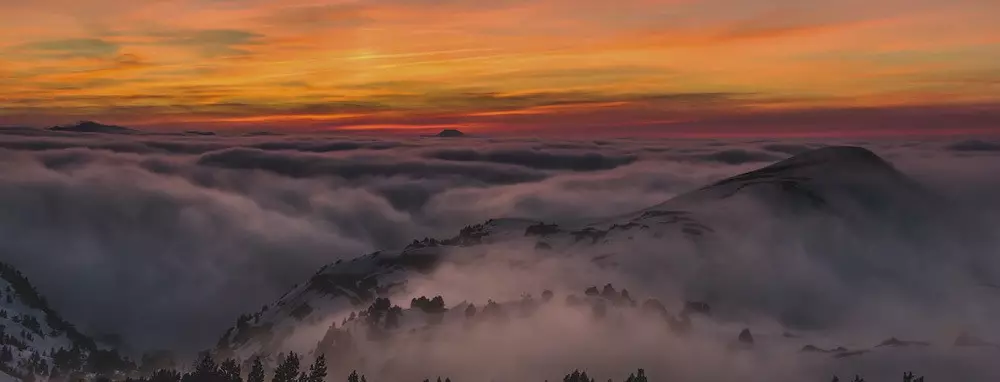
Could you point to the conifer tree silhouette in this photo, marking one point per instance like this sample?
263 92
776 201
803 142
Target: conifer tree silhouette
317 371
230 371
288 370
256 371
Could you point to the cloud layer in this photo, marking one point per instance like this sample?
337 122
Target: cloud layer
166 239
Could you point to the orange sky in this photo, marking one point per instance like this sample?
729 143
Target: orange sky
499 65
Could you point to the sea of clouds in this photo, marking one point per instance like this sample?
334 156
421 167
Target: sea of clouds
165 239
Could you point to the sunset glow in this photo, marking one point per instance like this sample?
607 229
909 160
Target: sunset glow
506 65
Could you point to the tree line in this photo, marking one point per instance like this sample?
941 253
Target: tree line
291 369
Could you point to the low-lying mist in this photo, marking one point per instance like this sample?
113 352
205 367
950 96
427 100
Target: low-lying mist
167 239
877 291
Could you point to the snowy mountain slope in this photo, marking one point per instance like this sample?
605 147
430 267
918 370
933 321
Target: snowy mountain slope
751 243
36 340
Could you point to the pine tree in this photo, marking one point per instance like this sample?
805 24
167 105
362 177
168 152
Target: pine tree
163 375
353 377
6 355
230 371
437 305
641 377
494 311
43 367
626 297
256 371
470 311
288 370
392 317
317 372
609 292
205 370
577 376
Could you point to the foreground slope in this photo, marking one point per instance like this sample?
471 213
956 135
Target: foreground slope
36 341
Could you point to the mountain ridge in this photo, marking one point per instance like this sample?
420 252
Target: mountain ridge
94 127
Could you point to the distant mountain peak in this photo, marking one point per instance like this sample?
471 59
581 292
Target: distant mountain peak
93 127
450 133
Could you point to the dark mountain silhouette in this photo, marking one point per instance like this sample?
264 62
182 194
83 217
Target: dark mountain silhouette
200 133
818 178
450 133
94 127
261 134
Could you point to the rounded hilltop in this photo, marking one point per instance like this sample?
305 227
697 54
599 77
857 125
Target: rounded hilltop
842 155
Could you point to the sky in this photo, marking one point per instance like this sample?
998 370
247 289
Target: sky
592 67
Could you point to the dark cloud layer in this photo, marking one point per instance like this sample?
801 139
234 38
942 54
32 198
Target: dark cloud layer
740 156
180 234
355 167
587 161
974 145
788 148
